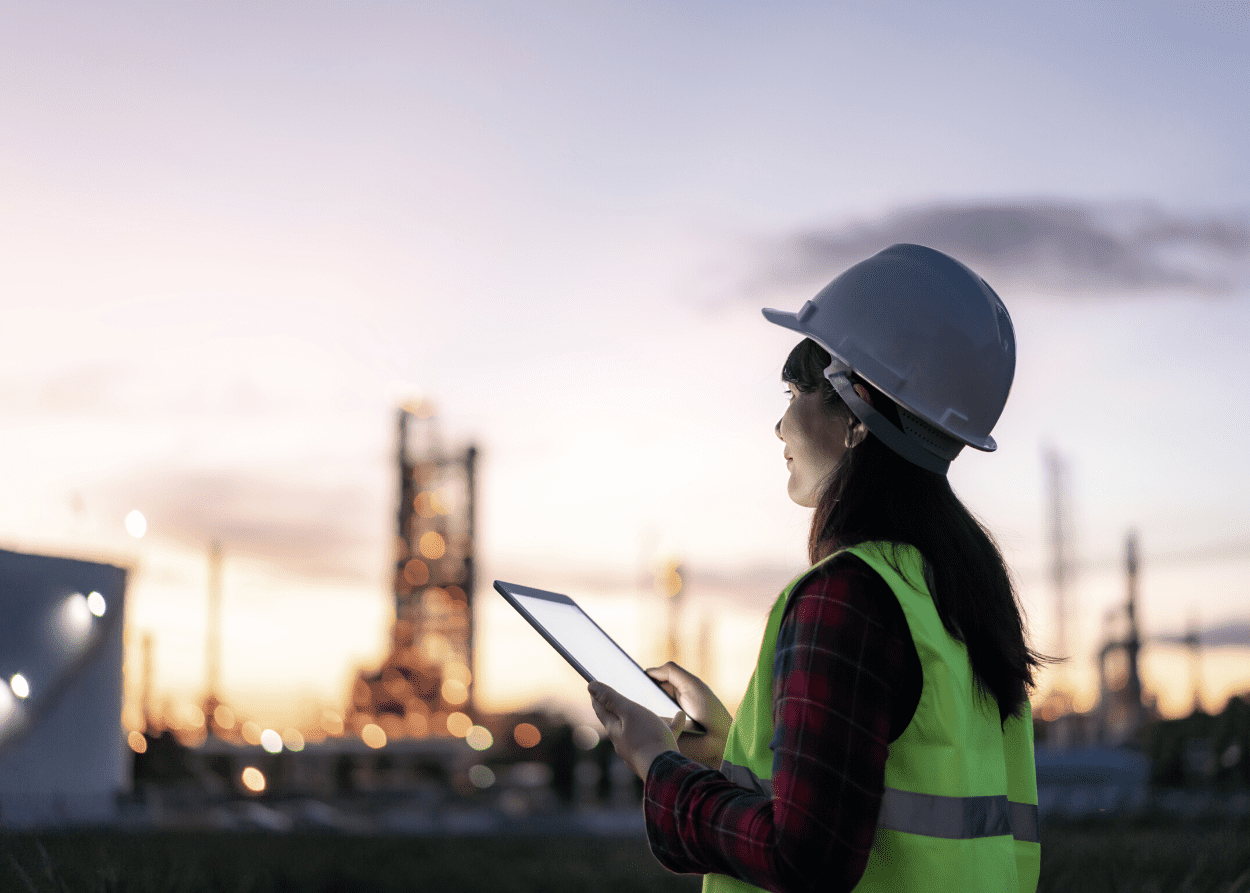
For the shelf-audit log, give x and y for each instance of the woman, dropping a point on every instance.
(885, 739)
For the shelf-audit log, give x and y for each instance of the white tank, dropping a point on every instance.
(63, 754)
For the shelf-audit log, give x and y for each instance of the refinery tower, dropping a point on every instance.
(424, 688)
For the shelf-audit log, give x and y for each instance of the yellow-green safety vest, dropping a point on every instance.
(959, 811)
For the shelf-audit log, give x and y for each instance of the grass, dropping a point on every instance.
(1150, 854)
(1159, 855)
(251, 862)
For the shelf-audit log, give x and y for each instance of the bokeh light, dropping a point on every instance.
(481, 776)
(457, 670)
(459, 724)
(137, 742)
(479, 737)
(432, 545)
(136, 524)
(253, 779)
(271, 741)
(331, 722)
(586, 737)
(8, 704)
(75, 619)
(416, 572)
(96, 604)
(526, 734)
(455, 691)
(250, 732)
(373, 736)
(20, 686)
(417, 725)
(292, 740)
(224, 717)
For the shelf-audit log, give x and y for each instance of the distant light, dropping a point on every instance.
(373, 736)
(8, 704)
(20, 686)
(194, 717)
(457, 670)
(293, 740)
(251, 732)
(481, 776)
(455, 691)
(416, 572)
(137, 742)
(136, 524)
(331, 722)
(253, 779)
(76, 618)
(459, 724)
(223, 716)
(432, 545)
(479, 738)
(95, 603)
(271, 741)
(585, 737)
(526, 734)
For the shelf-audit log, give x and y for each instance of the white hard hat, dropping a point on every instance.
(928, 333)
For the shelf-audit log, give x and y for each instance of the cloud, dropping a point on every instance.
(314, 530)
(1055, 247)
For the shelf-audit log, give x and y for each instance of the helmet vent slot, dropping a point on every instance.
(933, 440)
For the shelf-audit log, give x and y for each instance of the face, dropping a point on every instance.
(816, 439)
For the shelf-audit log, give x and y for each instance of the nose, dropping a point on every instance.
(778, 430)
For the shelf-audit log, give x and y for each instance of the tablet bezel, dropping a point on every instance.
(692, 727)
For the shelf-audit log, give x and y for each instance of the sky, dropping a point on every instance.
(233, 237)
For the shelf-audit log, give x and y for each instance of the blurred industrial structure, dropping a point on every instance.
(63, 755)
(424, 687)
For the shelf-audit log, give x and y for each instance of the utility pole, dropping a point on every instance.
(1057, 707)
(212, 645)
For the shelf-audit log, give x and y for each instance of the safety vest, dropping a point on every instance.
(959, 811)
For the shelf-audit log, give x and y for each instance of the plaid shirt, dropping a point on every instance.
(846, 681)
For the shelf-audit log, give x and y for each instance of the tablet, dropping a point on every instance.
(589, 649)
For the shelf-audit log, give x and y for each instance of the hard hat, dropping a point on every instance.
(928, 333)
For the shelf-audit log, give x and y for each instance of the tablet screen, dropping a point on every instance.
(589, 649)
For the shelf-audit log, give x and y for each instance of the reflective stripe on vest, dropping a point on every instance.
(951, 818)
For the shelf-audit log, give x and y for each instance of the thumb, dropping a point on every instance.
(678, 725)
(604, 694)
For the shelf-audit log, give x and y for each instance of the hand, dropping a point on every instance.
(638, 735)
(700, 704)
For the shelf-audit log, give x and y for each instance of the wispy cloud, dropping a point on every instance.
(313, 530)
(1055, 247)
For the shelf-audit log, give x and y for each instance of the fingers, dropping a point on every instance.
(669, 672)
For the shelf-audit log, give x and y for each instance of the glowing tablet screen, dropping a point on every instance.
(589, 649)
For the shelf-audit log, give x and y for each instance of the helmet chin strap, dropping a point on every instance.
(879, 425)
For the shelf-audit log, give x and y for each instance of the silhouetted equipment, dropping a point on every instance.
(427, 676)
(1121, 709)
(212, 648)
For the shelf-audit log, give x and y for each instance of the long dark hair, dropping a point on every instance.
(876, 494)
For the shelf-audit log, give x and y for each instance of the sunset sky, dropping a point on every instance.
(234, 236)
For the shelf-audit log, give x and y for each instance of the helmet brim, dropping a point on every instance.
(783, 318)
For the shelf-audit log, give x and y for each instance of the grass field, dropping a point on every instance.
(1116, 856)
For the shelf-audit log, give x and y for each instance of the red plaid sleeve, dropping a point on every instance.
(846, 680)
